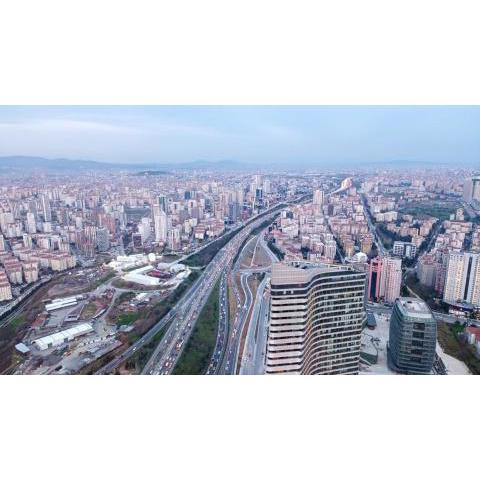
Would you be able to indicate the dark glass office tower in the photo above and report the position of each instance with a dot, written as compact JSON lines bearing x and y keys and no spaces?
{"x":412,"y":338}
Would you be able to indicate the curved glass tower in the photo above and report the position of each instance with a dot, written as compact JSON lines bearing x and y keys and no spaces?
{"x":316,"y":318}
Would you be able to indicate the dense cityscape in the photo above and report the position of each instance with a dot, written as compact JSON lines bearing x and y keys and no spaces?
{"x":273,"y":205}
{"x":217,"y":271}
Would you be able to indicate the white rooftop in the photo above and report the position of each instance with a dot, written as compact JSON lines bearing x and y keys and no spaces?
{"x":415,"y":306}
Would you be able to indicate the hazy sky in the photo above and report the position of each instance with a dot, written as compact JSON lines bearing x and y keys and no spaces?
{"x":309,"y":135}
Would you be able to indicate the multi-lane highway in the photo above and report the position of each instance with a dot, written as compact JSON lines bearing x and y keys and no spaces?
{"x":124,"y":356}
{"x":171,"y":347}
{"x":230,"y":359}
{"x":253,"y":307}
{"x":229,"y":364}
{"x":17,"y":306}
{"x":192,"y":299}
{"x":272,"y":256}
{"x":378,"y":241}
{"x":223,"y":328}
{"x":253,"y":358}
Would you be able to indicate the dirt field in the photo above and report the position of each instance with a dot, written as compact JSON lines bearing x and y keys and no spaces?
{"x":78,"y":283}
{"x":261,"y":257}
{"x":248,"y":252}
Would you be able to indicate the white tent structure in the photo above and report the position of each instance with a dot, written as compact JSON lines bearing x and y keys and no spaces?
{"x":65,"y":336}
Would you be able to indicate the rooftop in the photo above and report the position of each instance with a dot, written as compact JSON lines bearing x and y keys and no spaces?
{"x":301,"y":272}
{"x":415,"y":306}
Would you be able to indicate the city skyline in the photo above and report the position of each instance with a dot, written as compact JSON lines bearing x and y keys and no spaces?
{"x":281,"y":137}
{"x":230,"y":272}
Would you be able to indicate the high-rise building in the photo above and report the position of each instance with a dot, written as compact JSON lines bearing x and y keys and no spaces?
{"x":160,"y":223}
{"x":162,"y":202}
{"x":462,"y":278}
{"x":374,"y":279}
{"x":266,"y":186}
{"x":476,"y":187}
{"x":318,"y":197}
{"x":174,"y":238}
{"x":31,"y":225}
{"x":234,"y":211}
{"x":145,"y":229}
{"x":27,"y":240}
{"x":384,"y":279}
{"x":45,"y":208}
{"x":468,"y":190}
{"x":108,"y":221}
{"x":316,"y":317}
{"x":412,"y":337}
{"x":471,"y":189}
{"x":5,"y":287}
{"x":427,"y":268}
{"x":103,"y":240}
{"x":404,"y":249}
{"x":391,"y":279}
{"x":330,"y":249}
{"x":137,"y":240}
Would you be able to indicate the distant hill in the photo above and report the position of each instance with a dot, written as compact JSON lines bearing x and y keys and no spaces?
{"x":151,"y":168}
{"x":26,"y":162}
{"x":149,"y":173}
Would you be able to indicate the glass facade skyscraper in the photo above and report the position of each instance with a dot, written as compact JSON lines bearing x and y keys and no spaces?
{"x":412,"y":337}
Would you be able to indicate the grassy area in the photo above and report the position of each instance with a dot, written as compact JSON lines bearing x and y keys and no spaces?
{"x":275,"y":250}
{"x":163,"y":307}
{"x":104,"y":279}
{"x":200,"y":346}
{"x":89,"y":310}
{"x":120,"y":283}
{"x":204,"y":257}
{"x":140,"y":359}
{"x":427,"y":294}
{"x":169,"y":258}
{"x":387,"y":237}
{"x":18,"y":321}
{"x":146,"y":322}
{"x":127,"y":318}
{"x":452,"y":345}
{"x":9,"y":335}
{"x":232,"y":300}
{"x":123,"y":297}
{"x":438,"y":209}
{"x":132,"y":338}
{"x":263,"y":225}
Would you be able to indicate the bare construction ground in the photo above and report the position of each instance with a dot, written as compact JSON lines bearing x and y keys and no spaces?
{"x":261,"y":257}
{"x":247,"y":253}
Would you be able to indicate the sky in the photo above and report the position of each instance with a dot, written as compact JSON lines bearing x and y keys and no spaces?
{"x":278,"y":135}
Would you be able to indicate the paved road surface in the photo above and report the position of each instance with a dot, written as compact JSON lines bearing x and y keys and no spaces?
{"x":378,"y":242}
{"x":223,"y":328}
{"x":195,"y":294}
{"x":253,"y":358}
{"x":168,"y":352}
